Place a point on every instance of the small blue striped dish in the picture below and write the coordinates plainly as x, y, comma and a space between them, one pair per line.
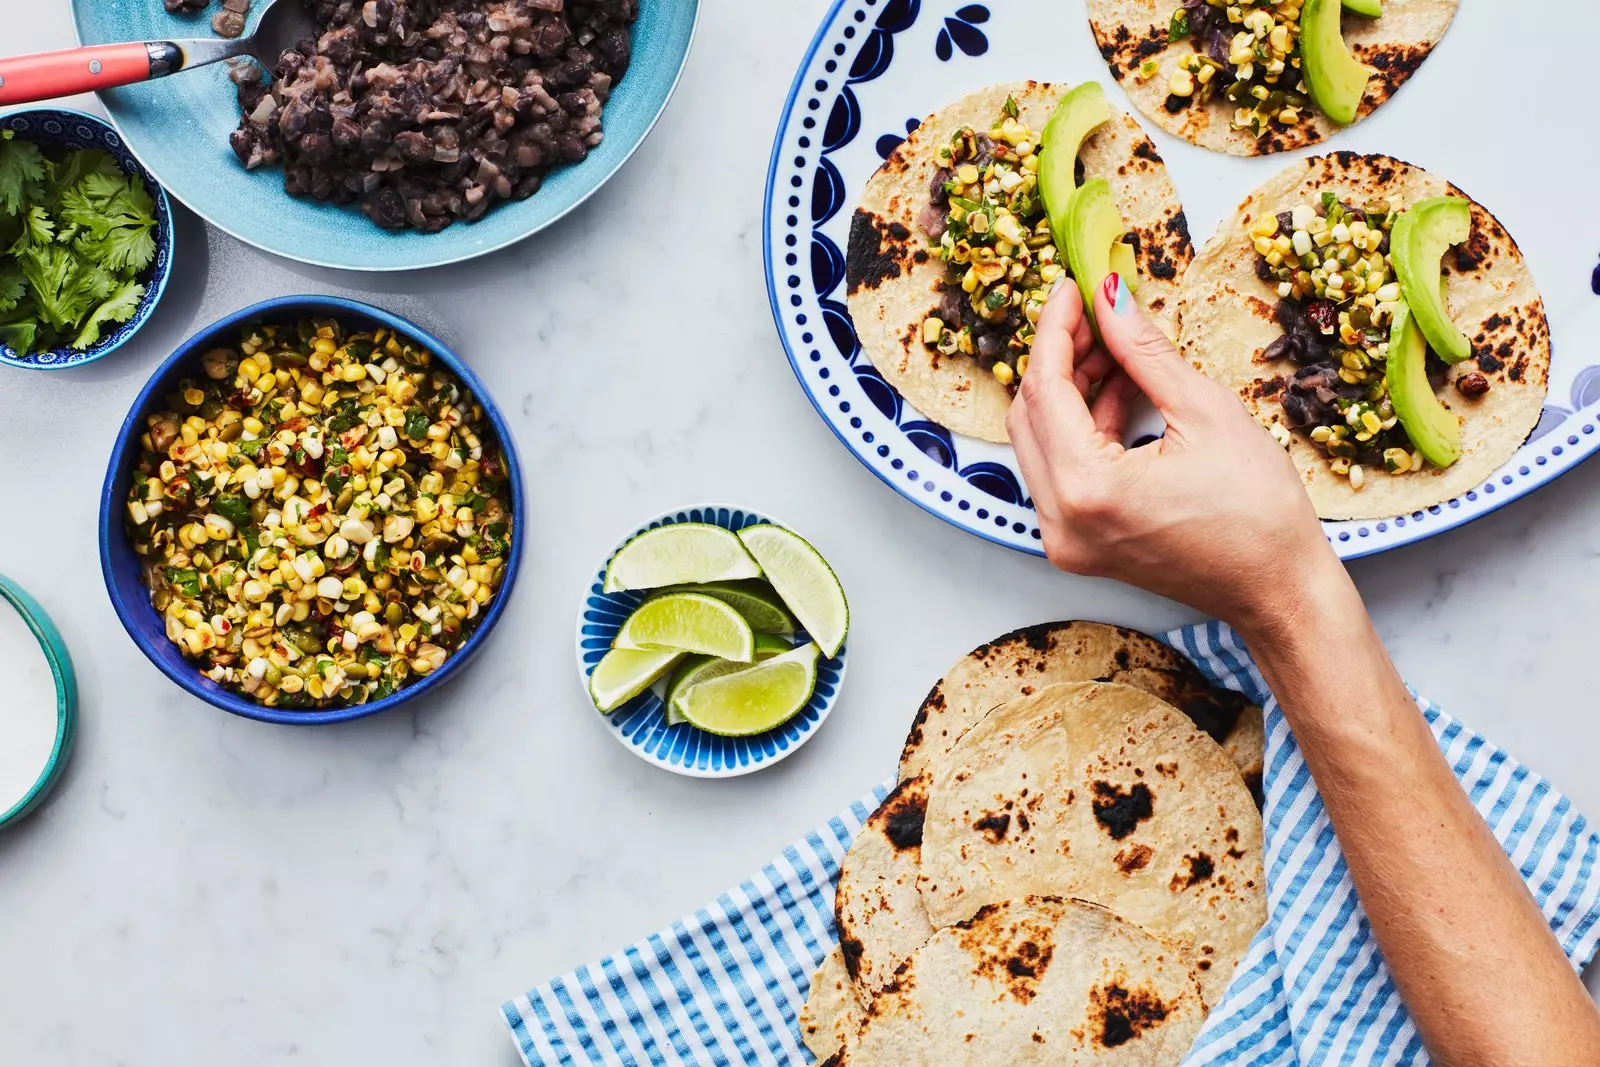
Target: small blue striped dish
641, 724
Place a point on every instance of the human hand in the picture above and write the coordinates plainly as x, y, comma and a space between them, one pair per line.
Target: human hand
1213, 515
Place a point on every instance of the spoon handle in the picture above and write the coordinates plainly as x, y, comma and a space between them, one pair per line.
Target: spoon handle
47, 75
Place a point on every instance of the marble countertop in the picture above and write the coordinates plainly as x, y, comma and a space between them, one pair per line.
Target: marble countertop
204, 889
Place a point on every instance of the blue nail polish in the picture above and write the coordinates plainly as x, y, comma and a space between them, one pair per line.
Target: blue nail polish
1124, 302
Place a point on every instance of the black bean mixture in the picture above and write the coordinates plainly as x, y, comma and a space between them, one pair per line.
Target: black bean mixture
1246, 53
429, 111
985, 219
1330, 265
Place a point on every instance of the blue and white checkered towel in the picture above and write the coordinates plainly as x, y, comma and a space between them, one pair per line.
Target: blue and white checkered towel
725, 985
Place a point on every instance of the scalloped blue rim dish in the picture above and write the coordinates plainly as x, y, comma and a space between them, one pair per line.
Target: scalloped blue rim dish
55, 125
640, 725
120, 566
857, 43
179, 126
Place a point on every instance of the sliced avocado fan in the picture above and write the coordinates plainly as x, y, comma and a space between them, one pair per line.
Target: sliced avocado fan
1095, 245
1336, 79
1421, 236
1432, 427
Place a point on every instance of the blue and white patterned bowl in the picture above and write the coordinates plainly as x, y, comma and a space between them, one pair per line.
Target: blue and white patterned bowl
873, 69
179, 128
77, 130
640, 725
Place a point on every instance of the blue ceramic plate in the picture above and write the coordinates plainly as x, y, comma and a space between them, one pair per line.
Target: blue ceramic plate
120, 566
179, 126
641, 724
74, 129
873, 69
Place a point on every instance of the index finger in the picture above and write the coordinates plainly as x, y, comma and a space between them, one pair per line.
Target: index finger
1048, 388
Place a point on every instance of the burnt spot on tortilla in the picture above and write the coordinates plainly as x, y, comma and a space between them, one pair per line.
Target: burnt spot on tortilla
1198, 868
1022, 822
1178, 228
933, 703
1120, 812
903, 815
1133, 859
1394, 63
1121, 1014
1146, 150
1026, 966
877, 251
1267, 388
1213, 709
993, 826
852, 950
1015, 956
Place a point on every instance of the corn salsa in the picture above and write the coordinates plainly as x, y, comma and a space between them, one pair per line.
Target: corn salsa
322, 515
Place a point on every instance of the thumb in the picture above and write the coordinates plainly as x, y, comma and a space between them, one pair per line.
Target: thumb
1142, 350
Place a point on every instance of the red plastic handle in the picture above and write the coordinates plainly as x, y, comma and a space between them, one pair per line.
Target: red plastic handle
48, 75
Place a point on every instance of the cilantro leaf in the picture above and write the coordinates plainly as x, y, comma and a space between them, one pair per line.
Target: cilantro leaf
21, 162
18, 337
37, 229
118, 307
123, 248
13, 286
75, 233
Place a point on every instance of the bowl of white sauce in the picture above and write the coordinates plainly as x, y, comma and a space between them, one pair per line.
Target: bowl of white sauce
39, 706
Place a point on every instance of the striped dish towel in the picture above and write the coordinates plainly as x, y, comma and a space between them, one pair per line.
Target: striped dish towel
725, 985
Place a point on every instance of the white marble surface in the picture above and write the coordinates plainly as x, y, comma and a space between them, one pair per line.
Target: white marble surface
206, 890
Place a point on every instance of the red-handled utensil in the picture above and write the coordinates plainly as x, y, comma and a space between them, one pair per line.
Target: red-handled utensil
47, 75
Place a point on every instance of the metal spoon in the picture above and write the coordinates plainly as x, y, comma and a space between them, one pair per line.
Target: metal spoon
47, 75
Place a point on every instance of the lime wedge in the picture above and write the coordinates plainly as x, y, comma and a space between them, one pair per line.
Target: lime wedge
755, 699
805, 582
695, 669
756, 601
769, 645
689, 622
678, 554
623, 674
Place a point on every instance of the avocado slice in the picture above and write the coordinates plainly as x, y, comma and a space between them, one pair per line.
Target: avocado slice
1081, 111
1094, 230
1337, 80
1432, 427
1421, 236
1373, 9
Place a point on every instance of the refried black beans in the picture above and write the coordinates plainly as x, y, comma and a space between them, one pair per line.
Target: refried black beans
429, 111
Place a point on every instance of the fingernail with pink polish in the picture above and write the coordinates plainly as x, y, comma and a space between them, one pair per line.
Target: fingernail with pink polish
1122, 303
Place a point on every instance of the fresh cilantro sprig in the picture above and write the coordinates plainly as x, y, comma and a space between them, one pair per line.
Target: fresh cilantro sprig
75, 234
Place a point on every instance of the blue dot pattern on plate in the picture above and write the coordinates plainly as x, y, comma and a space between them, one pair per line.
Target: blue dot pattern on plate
72, 130
858, 94
642, 724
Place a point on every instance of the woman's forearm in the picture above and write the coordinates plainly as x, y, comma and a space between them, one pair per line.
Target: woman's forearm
1474, 959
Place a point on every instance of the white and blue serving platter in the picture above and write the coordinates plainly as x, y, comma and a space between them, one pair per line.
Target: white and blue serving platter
876, 66
640, 725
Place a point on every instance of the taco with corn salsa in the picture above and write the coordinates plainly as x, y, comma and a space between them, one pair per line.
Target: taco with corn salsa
1381, 323
962, 234
1251, 77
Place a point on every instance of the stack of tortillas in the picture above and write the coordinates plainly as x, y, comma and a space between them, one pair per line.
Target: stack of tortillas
1067, 872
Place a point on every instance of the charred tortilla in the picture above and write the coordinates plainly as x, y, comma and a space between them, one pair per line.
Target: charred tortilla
895, 283
1131, 32
1024, 661
1039, 980
1105, 793
1229, 321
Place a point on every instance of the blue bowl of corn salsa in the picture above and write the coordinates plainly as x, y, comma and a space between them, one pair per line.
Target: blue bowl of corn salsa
313, 513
